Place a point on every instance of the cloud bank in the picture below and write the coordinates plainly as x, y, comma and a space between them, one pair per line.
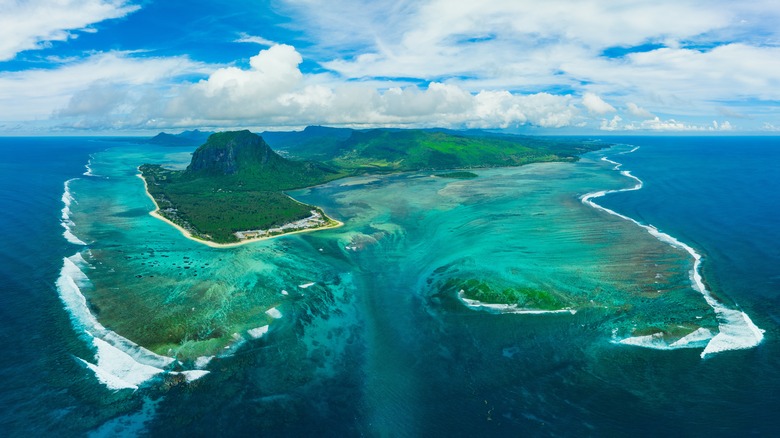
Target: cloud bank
272, 91
596, 105
33, 24
653, 66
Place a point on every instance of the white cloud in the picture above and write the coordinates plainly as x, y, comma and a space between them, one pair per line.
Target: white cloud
81, 87
728, 71
635, 110
612, 125
560, 45
246, 38
725, 126
272, 91
659, 125
483, 64
32, 24
508, 40
596, 105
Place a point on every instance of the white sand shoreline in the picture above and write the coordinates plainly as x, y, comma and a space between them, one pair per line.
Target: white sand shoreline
156, 214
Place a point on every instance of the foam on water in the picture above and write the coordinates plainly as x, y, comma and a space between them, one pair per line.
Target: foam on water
736, 331
258, 332
111, 381
192, 375
696, 339
67, 223
274, 313
120, 363
88, 166
68, 284
203, 362
655, 340
121, 366
136, 351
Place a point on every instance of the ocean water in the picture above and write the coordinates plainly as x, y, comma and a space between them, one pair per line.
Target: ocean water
661, 256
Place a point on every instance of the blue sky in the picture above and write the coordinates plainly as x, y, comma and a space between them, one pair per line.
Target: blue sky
628, 66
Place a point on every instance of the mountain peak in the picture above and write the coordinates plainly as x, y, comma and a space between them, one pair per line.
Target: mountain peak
228, 153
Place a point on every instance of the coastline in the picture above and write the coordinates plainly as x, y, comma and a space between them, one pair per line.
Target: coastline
156, 214
736, 331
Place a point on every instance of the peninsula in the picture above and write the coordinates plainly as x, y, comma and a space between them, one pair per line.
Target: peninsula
233, 190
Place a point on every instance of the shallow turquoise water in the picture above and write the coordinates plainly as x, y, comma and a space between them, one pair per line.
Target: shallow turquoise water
510, 228
375, 345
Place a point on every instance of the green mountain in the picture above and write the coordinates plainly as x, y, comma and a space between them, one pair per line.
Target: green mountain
235, 181
243, 159
383, 149
417, 149
314, 142
186, 138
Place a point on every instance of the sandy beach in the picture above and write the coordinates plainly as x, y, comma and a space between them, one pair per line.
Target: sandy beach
156, 213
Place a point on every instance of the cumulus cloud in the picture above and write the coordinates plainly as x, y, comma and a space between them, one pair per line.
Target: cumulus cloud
704, 55
611, 125
635, 110
421, 63
659, 125
725, 126
770, 127
32, 24
273, 91
83, 87
596, 105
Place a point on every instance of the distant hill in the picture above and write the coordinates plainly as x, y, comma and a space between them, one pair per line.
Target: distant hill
415, 149
186, 138
314, 142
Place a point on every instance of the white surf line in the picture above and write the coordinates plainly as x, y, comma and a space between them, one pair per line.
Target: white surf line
736, 331
119, 362
88, 166
67, 223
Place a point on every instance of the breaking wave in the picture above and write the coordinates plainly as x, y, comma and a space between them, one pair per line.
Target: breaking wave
736, 331
67, 223
118, 363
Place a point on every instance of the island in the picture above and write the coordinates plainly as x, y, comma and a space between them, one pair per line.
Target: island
234, 189
457, 175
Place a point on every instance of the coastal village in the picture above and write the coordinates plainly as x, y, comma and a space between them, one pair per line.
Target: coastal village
316, 220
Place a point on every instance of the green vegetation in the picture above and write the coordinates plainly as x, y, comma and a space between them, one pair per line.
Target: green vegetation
458, 175
236, 182
186, 138
524, 297
313, 143
390, 150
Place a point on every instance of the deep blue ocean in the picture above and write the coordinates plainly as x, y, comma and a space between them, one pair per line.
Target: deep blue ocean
720, 195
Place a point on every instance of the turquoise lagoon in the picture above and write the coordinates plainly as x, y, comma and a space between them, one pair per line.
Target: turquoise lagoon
398, 323
526, 241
